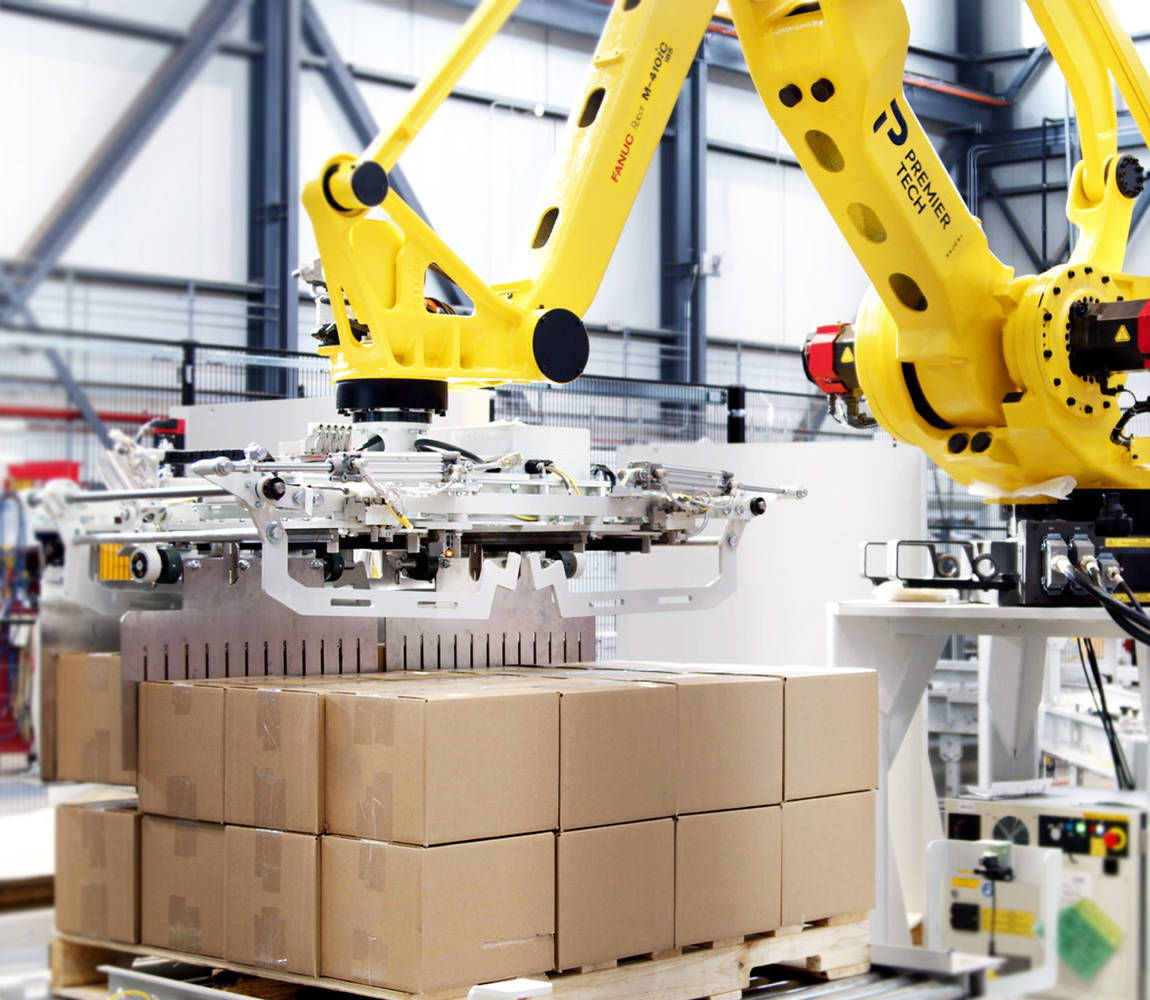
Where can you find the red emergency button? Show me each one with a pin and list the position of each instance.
(1114, 839)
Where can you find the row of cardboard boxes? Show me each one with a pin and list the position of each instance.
(419, 919)
(269, 751)
(456, 756)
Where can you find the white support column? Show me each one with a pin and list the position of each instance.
(1011, 673)
(904, 664)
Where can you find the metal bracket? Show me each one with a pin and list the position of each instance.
(379, 601)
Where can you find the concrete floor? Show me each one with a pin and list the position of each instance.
(27, 838)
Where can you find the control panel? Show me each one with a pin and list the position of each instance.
(1103, 931)
(1091, 834)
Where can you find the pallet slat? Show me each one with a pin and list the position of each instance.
(21, 893)
(719, 972)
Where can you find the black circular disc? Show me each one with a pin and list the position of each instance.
(560, 345)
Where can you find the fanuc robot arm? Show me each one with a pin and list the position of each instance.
(1010, 382)
(1007, 381)
(1013, 385)
(391, 344)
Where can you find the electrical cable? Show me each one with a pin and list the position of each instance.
(991, 948)
(604, 472)
(387, 501)
(572, 487)
(1116, 755)
(431, 444)
(1121, 766)
(1086, 674)
(1132, 621)
(1125, 588)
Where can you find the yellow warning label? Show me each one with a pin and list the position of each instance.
(1017, 922)
(848, 355)
(1122, 336)
(1126, 543)
(1143, 597)
(964, 883)
(1097, 847)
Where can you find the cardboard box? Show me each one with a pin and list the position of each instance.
(618, 752)
(828, 857)
(830, 723)
(98, 870)
(89, 719)
(181, 750)
(728, 879)
(272, 905)
(438, 763)
(273, 757)
(182, 885)
(615, 892)
(830, 731)
(730, 737)
(730, 742)
(430, 918)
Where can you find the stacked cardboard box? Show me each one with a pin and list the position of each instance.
(89, 727)
(775, 793)
(421, 832)
(437, 802)
(98, 870)
(829, 728)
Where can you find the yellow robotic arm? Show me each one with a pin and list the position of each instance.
(1009, 382)
(392, 347)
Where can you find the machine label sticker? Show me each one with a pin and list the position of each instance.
(911, 173)
(988, 889)
(662, 56)
(1075, 886)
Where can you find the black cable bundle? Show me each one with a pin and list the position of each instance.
(1131, 618)
(1094, 682)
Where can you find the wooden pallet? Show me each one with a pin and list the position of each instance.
(21, 893)
(718, 970)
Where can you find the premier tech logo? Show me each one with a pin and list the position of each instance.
(911, 175)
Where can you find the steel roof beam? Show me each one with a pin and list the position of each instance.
(86, 191)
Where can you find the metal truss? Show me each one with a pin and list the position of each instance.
(288, 34)
(82, 194)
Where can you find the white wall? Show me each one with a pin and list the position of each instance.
(791, 560)
(175, 209)
(181, 208)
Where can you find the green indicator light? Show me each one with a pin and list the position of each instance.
(1081, 827)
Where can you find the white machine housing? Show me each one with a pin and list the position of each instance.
(1077, 822)
(962, 901)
